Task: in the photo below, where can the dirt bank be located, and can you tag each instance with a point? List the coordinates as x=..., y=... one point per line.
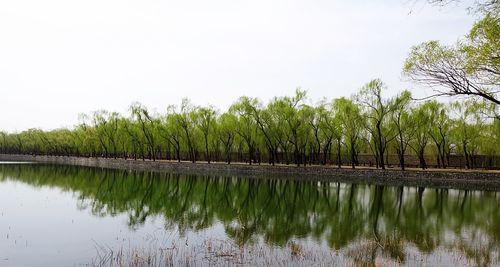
x=433, y=178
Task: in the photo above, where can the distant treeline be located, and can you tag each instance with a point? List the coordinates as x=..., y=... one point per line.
x=286, y=130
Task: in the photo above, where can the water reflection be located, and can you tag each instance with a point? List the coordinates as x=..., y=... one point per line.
x=371, y=218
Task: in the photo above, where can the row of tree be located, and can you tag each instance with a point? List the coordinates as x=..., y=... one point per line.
x=286, y=130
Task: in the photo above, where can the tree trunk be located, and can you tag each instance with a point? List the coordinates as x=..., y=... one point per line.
x=380, y=146
x=353, y=161
x=421, y=158
x=339, y=157
x=466, y=155
x=207, y=153
x=401, y=157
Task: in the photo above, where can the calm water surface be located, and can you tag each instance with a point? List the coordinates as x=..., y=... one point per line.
x=76, y=216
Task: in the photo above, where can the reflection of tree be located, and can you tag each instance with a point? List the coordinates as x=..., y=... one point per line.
x=279, y=210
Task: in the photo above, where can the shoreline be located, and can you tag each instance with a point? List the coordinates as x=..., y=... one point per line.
x=440, y=178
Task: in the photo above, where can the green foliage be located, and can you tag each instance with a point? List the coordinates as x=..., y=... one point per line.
x=376, y=111
x=402, y=124
x=470, y=67
x=286, y=130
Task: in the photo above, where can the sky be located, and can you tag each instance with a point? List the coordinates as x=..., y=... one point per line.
x=60, y=58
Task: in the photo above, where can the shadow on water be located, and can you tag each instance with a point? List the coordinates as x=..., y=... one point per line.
x=362, y=220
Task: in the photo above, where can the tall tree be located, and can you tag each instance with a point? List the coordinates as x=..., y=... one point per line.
x=377, y=110
x=422, y=120
x=468, y=128
x=206, y=119
x=440, y=130
x=246, y=126
x=147, y=125
x=350, y=118
x=226, y=132
x=403, y=124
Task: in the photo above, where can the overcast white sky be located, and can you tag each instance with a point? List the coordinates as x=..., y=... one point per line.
x=59, y=58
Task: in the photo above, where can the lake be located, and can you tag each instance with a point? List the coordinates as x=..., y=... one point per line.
x=77, y=216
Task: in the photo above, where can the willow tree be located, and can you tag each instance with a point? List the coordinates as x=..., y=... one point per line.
x=404, y=126
x=323, y=129
x=205, y=119
x=147, y=124
x=89, y=141
x=134, y=133
x=226, y=132
x=3, y=142
x=349, y=115
x=266, y=121
x=468, y=129
x=32, y=141
x=106, y=126
x=79, y=141
x=246, y=128
x=440, y=131
x=470, y=67
x=185, y=119
x=490, y=142
x=421, y=117
x=330, y=130
x=293, y=119
x=172, y=131
x=377, y=111
x=99, y=121
x=279, y=127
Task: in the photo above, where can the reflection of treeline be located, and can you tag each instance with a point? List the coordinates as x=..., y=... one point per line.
x=285, y=130
x=279, y=210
